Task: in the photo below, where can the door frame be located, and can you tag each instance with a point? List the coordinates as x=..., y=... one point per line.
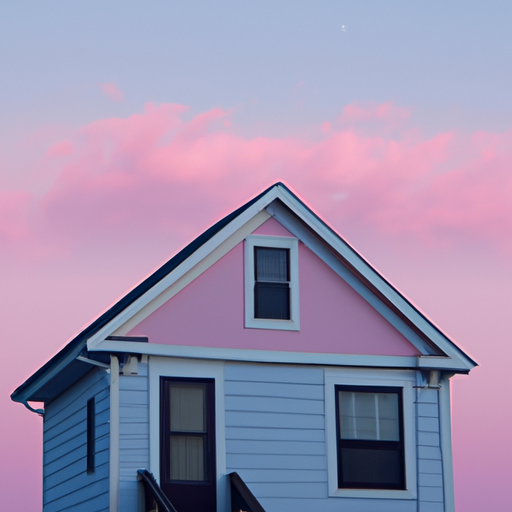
x=196, y=369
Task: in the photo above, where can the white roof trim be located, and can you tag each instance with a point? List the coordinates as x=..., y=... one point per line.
x=273, y=356
x=246, y=222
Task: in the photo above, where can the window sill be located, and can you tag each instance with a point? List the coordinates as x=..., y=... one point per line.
x=373, y=493
x=267, y=323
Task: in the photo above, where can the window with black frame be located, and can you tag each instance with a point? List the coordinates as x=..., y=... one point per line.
x=272, y=283
x=370, y=438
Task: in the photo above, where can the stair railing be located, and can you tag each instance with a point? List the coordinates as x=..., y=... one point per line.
x=154, y=496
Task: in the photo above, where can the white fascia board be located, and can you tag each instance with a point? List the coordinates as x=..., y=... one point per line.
x=272, y=356
x=366, y=270
x=242, y=225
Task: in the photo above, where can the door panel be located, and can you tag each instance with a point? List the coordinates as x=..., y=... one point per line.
x=187, y=458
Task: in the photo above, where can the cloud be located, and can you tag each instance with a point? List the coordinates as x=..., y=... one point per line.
x=357, y=113
x=163, y=171
x=14, y=211
x=112, y=91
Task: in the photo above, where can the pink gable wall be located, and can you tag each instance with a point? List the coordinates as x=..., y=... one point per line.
x=209, y=312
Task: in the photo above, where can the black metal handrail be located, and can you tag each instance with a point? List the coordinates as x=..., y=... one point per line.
x=242, y=499
x=153, y=493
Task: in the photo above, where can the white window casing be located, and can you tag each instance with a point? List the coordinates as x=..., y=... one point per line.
x=293, y=324
x=384, y=378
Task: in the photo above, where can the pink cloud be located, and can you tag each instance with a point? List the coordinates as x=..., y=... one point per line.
x=362, y=113
x=112, y=91
x=14, y=210
x=145, y=170
x=63, y=148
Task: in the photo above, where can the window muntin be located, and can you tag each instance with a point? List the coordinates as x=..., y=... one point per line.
x=370, y=445
x=272, y=283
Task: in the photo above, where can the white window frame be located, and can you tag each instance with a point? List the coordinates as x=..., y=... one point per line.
x=293, y=324
x=385, y=378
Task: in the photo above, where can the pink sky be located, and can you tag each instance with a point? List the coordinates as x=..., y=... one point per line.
x=93, y=209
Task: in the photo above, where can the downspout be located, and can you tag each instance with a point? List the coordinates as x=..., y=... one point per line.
x=41, y=412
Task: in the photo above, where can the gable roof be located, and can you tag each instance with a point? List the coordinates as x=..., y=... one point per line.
x=283, y=204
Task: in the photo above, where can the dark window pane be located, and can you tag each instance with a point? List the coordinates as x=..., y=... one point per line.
x=371, y=468
x=271, y=264
x=272, y=300
x=91, y=435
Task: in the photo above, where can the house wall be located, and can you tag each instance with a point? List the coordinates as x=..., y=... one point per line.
x=334, y=318
x=133, y=435
x=276, y=441
x=275, y=438
x=66, y=483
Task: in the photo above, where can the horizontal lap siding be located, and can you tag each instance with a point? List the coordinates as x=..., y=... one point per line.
x=430, y=468
x=67, y=485
x=275, y=440
x=133, y=435
x=275, y=434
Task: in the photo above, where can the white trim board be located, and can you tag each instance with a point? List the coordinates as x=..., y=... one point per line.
x=173, y=367
x=114, y=469
x=272, y=356
x=290, y=243
x=372, y=276
x=242, y=226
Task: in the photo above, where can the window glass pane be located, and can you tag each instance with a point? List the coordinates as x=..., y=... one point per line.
x=388, y=416
x=272, y=300
x=371, y=416
x=187, y=408
x=271, y=264
x=187, y=458
x=357, y=415
x=371, y=468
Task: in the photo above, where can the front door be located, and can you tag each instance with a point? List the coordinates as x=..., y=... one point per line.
x=187, y=455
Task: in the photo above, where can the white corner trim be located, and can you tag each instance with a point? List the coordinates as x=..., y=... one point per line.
x=192, y=267
x=390, y=378
x=446, y=444
x=114, y=435
x=293, y=324
x=166, y=367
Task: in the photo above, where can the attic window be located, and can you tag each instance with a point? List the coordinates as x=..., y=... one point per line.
x=271, y=283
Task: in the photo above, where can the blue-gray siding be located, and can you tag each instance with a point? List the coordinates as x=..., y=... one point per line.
x=66, y=483
x=133, y=435
x=430, y=468
x=275, y=440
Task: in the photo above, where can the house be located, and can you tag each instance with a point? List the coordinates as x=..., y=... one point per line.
x=266, y=366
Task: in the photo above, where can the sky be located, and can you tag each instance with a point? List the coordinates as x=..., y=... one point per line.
x=127, y=128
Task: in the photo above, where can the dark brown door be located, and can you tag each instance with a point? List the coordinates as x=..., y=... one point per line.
x=187, y=455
